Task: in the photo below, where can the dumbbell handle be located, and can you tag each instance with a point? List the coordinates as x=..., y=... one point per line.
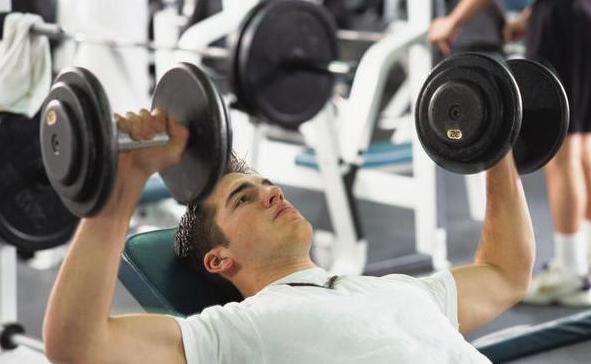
x=125, y=142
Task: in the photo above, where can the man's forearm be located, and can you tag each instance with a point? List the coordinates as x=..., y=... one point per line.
x=80, y=302
x=507, y=242
x=466, y=9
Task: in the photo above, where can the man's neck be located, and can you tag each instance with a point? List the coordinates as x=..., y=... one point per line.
x=262, y=276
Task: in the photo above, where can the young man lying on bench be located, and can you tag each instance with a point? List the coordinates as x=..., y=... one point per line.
x=293, y=312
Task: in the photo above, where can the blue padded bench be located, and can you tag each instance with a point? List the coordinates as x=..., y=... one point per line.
x=160, y=283
x=539, y=338
x=517, y=5
x=378, y=155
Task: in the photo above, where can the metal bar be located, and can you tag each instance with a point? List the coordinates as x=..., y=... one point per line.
x=334, y=67
x=55, y=31
x=125, y=142
x=8, y=304
x=5, y=6
x=350, y=249
x=370, y=79
x=28, y=342
x=340, y=68
x=359, y=36
x=476, y=192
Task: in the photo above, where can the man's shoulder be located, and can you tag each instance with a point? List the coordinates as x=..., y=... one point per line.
x=240, y=307
x=429, y=281
x=395, y=277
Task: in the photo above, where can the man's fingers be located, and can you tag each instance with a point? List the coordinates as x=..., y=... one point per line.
x=147, y=125
x=179, y=134
x=433, y=37
x=444, y=47
x=440, y=42
x=134, y=126
x=159, y=119
x=121, y=123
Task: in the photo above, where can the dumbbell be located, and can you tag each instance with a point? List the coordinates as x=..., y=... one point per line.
x=80, y=142
x=473, y=108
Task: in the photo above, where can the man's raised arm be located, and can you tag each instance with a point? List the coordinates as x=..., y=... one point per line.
x=77, y=326
x=502, y=269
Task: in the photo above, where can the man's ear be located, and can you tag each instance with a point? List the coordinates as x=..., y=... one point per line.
x=218, y=260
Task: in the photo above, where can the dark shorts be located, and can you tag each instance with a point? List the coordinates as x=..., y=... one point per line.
x=559, y=34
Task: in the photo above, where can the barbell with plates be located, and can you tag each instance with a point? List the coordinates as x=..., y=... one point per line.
x=473, y=108
x=80, y=142
x=282, y=61
x=32, y=217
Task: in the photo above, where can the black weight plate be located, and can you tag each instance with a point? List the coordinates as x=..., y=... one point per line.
x=88, y=107
x=105, y=138
x=64, y=141
x=545, y=115
x=235, y=57
x=188, y=95
x=32, y=217
x=64, y=145
x=468, y=112
x=274, y=33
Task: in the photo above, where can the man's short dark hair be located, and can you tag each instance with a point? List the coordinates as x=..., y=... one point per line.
x=198, y=231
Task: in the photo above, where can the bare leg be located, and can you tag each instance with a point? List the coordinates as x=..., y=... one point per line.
x=586, y=150
x=566, y=186
x=563, y=282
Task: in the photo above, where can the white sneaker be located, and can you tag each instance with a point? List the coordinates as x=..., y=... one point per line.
x=554, y=285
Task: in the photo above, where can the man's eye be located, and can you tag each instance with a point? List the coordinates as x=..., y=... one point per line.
x=242, y=200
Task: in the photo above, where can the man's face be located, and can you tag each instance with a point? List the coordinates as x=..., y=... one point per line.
x=261, y=225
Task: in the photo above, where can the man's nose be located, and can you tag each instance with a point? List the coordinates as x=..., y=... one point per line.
x=272, y=195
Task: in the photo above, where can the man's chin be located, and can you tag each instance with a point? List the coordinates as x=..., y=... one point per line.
x=303, y=231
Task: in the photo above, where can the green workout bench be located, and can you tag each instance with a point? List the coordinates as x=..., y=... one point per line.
x=154, y=191
x=160, y=283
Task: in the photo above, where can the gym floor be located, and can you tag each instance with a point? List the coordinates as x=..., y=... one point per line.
x=390, y=233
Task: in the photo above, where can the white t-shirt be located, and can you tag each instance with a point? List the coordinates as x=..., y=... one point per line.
x=390, y=319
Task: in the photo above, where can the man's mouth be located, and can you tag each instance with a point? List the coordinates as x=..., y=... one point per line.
x=283, y=208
